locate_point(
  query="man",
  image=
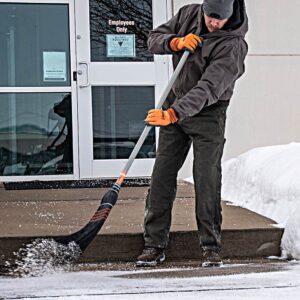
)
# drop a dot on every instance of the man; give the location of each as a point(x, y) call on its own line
point(195, 111)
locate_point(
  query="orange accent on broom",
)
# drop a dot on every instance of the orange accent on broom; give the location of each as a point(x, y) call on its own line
point(121, 178)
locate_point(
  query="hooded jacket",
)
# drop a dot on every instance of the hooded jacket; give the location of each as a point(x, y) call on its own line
point(209, 74)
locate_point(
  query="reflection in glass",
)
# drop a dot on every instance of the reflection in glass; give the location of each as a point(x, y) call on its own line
point(118, 121)
point(125, 17)
point(35, 134)
point(28, 56)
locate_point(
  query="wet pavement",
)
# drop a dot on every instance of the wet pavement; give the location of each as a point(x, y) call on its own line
point(188, 268)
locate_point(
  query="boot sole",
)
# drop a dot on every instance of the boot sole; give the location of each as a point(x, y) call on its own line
point(209, 264)
point(141, 263)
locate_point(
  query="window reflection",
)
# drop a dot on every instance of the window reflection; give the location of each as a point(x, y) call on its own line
point(35, 134)
point(118, 121)
point(129, 20)
point(34, 45)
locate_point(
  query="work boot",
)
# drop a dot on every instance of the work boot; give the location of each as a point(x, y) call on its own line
point(211, 259)
point(150, 257)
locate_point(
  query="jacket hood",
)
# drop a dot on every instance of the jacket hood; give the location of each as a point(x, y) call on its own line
point(237, 25)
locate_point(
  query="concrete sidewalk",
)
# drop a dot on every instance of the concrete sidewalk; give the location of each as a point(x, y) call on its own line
point(26, 214)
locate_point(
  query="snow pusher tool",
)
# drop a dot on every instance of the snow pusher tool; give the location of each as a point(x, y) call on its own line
point(85, 236)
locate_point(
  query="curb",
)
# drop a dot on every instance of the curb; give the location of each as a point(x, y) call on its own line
point(242, 244)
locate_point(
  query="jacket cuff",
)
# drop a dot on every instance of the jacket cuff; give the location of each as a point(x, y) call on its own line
point(181, 115)
point(174, 44)
point(173, 115)
point(167, 42)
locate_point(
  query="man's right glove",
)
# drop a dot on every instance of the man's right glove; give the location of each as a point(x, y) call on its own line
point(159, 117)
point(190, 42)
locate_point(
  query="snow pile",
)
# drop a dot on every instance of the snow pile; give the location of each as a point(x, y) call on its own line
point(43, 256)
point(266, 180)
point(290, 242)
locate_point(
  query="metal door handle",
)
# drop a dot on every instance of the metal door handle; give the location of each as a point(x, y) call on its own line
point(87, 84)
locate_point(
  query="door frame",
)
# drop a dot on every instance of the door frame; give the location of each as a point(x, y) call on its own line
point(155, 74)
point(72, 89)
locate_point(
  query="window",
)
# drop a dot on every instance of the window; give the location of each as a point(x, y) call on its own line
point(118, 114)
point(28, 56)
point(119, 30)
point(35, 127)
point(35, 134)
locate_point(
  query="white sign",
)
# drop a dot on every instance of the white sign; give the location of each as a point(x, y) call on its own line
point(121, 25)
point(120, 45)
point(55, 66)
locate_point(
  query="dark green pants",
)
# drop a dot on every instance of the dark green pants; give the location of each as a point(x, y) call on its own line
point(206, 131)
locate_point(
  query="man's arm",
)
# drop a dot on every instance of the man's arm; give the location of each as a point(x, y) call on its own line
point(224, 69)
point(160, 37)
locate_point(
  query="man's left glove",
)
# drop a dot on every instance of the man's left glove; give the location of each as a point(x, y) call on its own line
point(159, 117)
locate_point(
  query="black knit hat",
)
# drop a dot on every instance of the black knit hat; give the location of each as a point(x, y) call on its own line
point(218, 9)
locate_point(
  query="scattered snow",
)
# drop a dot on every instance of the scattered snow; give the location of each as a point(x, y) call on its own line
point(43, 256)
point(266, 180)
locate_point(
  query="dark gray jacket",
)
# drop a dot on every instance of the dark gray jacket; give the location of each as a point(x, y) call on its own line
point(210, 73)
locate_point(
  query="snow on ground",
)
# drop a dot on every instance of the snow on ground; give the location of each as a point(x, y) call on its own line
point(266, 180)
point(109, 285)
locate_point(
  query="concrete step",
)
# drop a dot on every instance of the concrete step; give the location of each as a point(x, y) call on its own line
point(25, 215)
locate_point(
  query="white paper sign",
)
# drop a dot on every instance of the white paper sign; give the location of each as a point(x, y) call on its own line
point(120, 45)
point(55, 66)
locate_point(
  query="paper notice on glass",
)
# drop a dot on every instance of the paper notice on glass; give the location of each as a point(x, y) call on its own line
point(120, 45)
point(55, 66)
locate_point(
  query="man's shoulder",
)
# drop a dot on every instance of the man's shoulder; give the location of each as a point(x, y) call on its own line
point(190, 8)
point(192, 5)
point(236, 42)
point(230, 46)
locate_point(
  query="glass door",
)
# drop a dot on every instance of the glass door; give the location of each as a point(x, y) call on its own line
point(37, 92)
point(118, 82)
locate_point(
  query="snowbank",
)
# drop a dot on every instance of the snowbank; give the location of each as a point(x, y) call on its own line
point(267, 181)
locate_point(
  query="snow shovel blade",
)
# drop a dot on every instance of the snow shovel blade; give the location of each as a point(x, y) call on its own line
point(84, 236)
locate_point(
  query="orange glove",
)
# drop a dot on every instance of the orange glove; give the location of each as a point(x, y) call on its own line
point(159, 117)
point(190, 42)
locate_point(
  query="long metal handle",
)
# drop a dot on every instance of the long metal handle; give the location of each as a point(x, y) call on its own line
point(87, 84)
point(147, 128)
